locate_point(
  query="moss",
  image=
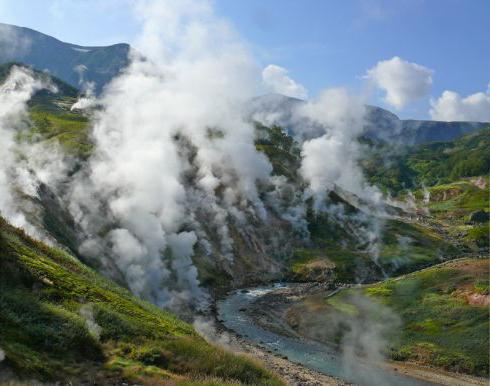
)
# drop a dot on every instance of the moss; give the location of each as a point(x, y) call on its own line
point(378, 291)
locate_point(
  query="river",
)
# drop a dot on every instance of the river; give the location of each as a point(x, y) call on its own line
point(311, 354)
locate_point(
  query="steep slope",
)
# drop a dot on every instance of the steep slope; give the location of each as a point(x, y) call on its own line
point(51, 117)
point(62, 321)
point(63, 60)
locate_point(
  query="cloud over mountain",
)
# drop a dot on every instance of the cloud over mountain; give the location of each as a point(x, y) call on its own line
point(450, 106)
point(403, 82)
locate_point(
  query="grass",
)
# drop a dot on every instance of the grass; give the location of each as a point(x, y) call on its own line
point(444, 320)
point(441, 326)
point(412, 167)
point(61, 321)
point(68, 129)
point(460, 195)
point(51, 118)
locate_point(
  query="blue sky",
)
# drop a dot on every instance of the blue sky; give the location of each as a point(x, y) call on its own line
point(322, 43)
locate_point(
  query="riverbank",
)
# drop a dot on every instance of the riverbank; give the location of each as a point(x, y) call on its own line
point(292, 373)
point(269, 312)
point(234, 314)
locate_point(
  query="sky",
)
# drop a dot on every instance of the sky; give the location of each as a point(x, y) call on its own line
point(319, 43)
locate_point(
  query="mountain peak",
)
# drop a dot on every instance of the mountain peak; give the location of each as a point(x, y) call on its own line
point(74, 64)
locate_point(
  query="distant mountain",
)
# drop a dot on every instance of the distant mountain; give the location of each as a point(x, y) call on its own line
point(68, 62)
point(380, 123)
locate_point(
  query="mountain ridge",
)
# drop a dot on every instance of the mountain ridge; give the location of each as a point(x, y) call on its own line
point(380, 124)
point(71, 63)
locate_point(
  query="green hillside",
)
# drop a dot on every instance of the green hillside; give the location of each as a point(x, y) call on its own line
point(429, 164)
point(444, 314)
point(51, 118)
point(61, 321)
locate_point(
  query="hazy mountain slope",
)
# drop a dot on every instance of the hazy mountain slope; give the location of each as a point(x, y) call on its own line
point(429, 164)
point(380, 124)
point(99, 64)
point(62, 321)
point(264, 251)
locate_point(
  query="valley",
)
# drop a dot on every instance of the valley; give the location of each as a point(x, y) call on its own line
point(165, 228)
point(268, 317)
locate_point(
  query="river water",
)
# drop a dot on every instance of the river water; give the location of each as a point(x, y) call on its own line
point(313, 355)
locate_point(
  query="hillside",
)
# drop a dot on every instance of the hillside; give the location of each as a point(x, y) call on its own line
point(63, 60)
point(429, 164)
point(331, 243)
point(61, 321)
point(443, 315)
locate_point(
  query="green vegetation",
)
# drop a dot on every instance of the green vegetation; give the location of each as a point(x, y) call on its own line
point(51, 119)
point(403, 247)
point(461, 195)
point(62, 321)
point(479, 235)
point(444, 313)
point(67, 128)
point(430, 164)
point(444, 323)
point(281, 150)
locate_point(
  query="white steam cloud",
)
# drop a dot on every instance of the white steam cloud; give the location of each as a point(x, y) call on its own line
point(404, 82)
point(86, 312)
point(336, 119)
point(23, 166)
point(170, 141)
point(450, 106)
point(175, 171)
point(276, 79)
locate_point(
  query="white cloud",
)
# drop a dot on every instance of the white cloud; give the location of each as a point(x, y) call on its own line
point(403, 82)
point(450, 106)
point(276, 79)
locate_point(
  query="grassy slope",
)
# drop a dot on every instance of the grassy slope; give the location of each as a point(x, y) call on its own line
point(444, 317)
point(429, 164)
point(51, 118)
point(67, 128)
point(62, 321)
point(425, 248)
